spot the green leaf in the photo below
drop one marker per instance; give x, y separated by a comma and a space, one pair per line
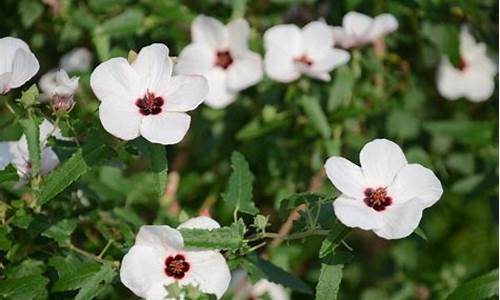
32, 133
278, 275
334, 237
329, 282
89, 278
30, 11
61, 231
9, 174
314, 112
5, 242
421, 233
69, 171
239, 189
225, 238
481, 287
341, 89
124, 24
30, 97
26, 287
464, 131
158, 165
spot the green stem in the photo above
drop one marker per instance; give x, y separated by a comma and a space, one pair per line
293, 236
105, 249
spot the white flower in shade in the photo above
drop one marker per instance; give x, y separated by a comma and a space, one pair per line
17, 153
359, 29
78, 59
58, 83
221, 54
242, 288
386, 194
159, 258
474, 78
291, 52
17, 64
143, 98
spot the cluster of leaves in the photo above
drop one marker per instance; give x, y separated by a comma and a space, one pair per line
63, 235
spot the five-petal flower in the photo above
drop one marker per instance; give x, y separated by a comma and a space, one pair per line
291, 52
18, 64
159, 258
474, 78
143, 98
221, 54
359, 29
386, 194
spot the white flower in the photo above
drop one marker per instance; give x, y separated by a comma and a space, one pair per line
17, 152
78, 59
359, 29
386, 195
17, 64
243, 289
143, 98
221, 54
291, 52
159, 258
474, 78
58, 83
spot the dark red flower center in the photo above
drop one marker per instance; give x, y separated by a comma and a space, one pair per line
377, 198
223, 59
176, 266
304, 59
462, 65
150, 104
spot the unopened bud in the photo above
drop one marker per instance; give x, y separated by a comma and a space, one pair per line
62, 104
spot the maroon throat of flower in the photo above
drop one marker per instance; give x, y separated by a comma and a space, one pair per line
304, 59
462, 64
150, 104
377, 198
223, 59
176, 266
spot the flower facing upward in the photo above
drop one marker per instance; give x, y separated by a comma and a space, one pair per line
17, 64
359, 29
474, 77
17, 152
386, 194
143, 98
291, 52
159, 258
221, 54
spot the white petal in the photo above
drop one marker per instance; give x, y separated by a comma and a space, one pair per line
286, 39
275, 291
317, 38
382, 25
209, 271
78, 59
165, 128
280, 66
342, 38
219, 95
416, 182
478, 85
449, 80
162, 237
8, 48
237, 33
201, 222
195, 59
185, 92
122, 122
467, 42
355, 213
117, 82
49, 161
24, 66
346, 176
47, 83
245, 71
380, 161
6, 154
208, 31
400, 220
4, 82
329, 60
357, 24
142, 270
158, 292
154, 67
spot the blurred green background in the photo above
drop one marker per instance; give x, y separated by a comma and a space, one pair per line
286, 131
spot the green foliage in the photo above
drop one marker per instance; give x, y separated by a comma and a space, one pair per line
481, 287
225, 238
32, 132
329, 282
239, 189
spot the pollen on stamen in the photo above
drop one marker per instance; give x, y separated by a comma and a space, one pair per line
377, 198
176, 266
